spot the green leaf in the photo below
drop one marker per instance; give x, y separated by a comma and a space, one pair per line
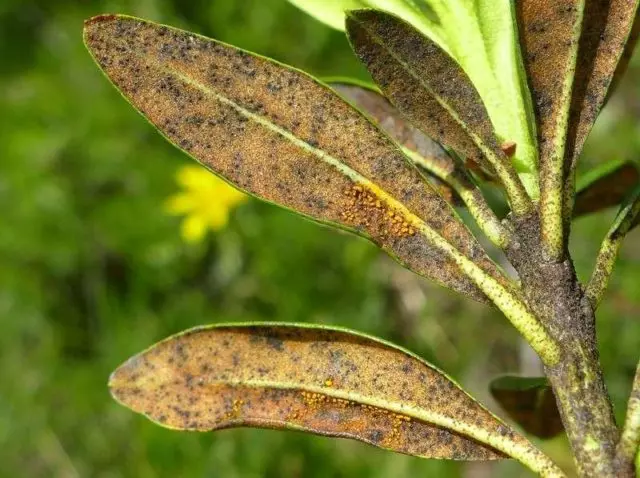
482, 37
430, 88
328, 381
530, 402
284, 137
447, 175
605, 186
549, 35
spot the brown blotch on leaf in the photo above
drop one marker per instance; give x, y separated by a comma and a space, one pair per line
268, 129
236, 391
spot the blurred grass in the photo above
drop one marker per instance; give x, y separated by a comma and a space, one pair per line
92, 270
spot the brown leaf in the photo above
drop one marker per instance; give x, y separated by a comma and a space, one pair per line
387, 117
424, 83
530, 402
430, 89
548, 39
549, 35
605, 189
325, 381
606, 27
278, 134
629, 49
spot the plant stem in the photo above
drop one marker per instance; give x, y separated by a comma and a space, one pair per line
630, 440
556, 298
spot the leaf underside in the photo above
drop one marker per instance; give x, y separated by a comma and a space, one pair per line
482, 38
606, 28
605, 186
436, 163
280, 135
423, 82
530, 402
549, 36
326, 381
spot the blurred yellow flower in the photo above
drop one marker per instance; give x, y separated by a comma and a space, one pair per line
206, 201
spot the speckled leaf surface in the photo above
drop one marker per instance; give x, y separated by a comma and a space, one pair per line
628, 218
628, 52
530, 402
450, 176
605, 186
606, 27
326, 381
481, 35
429, 156
280, 135
549, 35
428, 87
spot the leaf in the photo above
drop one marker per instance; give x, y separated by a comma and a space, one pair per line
429, 156
549, 35
429, 87
605, 186
629, 48
627, 219
530, 402
482, 37
328, 381
449, 176
280, 135
606, 27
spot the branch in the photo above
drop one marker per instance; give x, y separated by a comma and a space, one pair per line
627, 219
630, 440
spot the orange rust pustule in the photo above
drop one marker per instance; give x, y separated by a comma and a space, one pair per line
606, 25
547, 41
436, 77
186, 86
366, 209
208, 379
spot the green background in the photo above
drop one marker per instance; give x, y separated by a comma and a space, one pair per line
92, 270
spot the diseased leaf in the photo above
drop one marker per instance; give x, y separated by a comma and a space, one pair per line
430, 158
549, 35
482, 37
629, 49
326, 381
605, 186
282, 136
627, 219
448, 176
530, 402
278, 134
430, 88
606, 27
